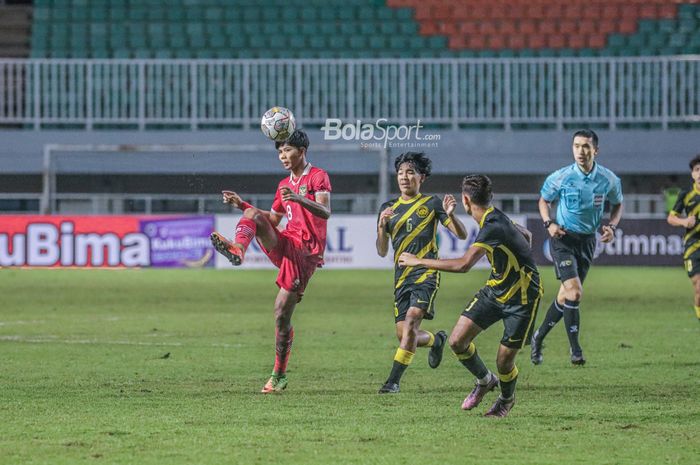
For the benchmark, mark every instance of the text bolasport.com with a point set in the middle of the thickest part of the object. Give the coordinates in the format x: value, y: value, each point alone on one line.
x: 379, y: 134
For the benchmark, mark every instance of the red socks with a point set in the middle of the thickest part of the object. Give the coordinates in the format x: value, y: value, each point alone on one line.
x: 245, y: 232
x: 283, y: 347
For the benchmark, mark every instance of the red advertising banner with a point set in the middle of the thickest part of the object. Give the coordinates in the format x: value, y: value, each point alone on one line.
x: 105, y: 241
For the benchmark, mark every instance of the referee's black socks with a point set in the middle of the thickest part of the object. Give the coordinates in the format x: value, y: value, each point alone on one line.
x: 572, y: 319
x: 554, y: 314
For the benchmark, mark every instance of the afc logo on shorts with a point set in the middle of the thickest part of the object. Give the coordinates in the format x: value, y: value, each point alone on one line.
x: 565, y: 263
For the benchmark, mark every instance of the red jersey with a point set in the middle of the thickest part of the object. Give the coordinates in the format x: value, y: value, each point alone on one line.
x: 301, y: 223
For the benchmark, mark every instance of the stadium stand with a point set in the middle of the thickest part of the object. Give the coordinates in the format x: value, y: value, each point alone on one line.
x: 362, y: 28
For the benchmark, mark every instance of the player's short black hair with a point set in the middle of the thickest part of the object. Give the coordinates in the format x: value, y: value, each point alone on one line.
x: 694, y: 161
x: 419, y: 160
x: 588, y: 133
x: 478, y: 188
x: 296, y: 139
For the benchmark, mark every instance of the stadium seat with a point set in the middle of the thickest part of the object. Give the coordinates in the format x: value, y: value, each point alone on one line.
x: 329, y: 28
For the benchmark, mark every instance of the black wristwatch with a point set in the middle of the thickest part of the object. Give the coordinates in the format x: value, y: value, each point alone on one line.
x: 612, y: 226
x: 547, y: 224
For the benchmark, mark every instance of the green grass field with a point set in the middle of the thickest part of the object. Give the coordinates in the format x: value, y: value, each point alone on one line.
x: 154, y: 366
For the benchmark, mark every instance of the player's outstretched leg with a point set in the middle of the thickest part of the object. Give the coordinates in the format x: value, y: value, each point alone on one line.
x: 253, y: 223
x: 553, y: 316
x: 233, y: 252
x: 284, y: 336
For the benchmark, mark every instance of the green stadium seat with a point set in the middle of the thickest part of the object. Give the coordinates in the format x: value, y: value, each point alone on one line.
x: 667, y: 25
x: 98, y: 14
x: 117, y: 14
x: 404, y: 14
x: 41, y: 14
x: 317, y: 42
x: 357, y: 42
x: 197, y: 41
x: 178, y: 42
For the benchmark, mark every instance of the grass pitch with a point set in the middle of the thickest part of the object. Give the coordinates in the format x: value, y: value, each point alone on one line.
x: 155, y: 366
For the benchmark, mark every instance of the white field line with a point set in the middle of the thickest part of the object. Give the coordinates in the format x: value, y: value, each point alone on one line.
x: 22, y: 322
x: 56, y: 340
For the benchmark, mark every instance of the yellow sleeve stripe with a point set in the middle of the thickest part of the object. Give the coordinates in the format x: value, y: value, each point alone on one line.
x: 486, y: 247
x: 447, y: 222
x: 673, y: 213
x: 407, y: 215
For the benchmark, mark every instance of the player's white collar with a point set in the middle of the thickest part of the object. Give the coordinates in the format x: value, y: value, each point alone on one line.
x: 307, y: 168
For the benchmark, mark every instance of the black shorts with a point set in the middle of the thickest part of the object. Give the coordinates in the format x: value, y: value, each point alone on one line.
x: 572, y: 255
x: 518, y: 318
x: 692, y: 264
x: 415, y: 295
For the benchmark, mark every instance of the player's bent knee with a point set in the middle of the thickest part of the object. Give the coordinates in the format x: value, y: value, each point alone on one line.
x: 458, y: 344
x: 574, y: 294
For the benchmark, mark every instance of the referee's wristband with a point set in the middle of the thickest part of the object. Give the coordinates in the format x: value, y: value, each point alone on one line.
x: 547, y: 224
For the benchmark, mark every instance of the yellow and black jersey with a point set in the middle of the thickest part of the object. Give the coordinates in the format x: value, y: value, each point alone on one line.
x: 413, y: 229
x: 688, y: 204
x: 513, y: 270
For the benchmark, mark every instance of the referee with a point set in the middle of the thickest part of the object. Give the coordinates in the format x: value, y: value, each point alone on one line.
x: 580, y: 190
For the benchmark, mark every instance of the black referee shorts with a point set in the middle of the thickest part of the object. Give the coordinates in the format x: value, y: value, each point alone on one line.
x: 572, y: 255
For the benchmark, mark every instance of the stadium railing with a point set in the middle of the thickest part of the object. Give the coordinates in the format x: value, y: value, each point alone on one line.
x: 636, y: 205
x: 501, y: 92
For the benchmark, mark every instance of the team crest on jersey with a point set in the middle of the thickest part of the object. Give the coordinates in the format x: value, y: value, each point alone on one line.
x: 422, y: 211
x: 598, y: 199
x: 302, y: 190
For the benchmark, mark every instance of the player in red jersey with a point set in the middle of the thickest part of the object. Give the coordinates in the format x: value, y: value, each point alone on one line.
x: 304, y: 198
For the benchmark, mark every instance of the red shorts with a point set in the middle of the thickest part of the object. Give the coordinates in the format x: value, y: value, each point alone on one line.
x: 295, y: 262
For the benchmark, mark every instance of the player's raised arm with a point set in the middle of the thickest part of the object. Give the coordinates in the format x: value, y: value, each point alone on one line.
x: 452, y: 265
x: 320, y: 206
x: 232, y: 198
x: 449, y: 203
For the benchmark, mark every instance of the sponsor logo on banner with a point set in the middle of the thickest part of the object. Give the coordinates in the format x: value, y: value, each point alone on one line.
x: 651, y: 242
x: 178, y: 242
x: 104, y: 241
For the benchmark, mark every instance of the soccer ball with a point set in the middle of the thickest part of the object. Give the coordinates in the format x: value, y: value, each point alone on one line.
x: 278, y: 123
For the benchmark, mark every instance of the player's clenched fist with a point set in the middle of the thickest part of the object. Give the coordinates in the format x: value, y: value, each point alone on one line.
x: 449, y: 204
x: 385, y: 216
x: 231, y: 198
x: 288, y: 195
